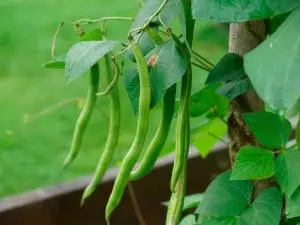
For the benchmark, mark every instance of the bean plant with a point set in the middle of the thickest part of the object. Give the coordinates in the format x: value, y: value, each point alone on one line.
x: 253, y: 91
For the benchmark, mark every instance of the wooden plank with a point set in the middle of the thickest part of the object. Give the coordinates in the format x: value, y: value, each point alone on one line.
x: 59, y: 205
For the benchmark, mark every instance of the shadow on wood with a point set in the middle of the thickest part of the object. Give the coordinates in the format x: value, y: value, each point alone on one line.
x: 59, y: 205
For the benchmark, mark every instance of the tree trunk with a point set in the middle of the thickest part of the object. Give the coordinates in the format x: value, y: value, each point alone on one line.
x: 243, y: 39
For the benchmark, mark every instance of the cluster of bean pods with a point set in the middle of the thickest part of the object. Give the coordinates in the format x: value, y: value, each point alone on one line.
x: 126, y: 171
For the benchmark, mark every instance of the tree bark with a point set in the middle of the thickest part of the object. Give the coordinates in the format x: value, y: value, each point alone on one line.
x: 243, y: 39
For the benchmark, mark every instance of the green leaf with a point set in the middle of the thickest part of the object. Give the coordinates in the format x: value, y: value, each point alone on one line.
x: 277, y: 85
x: 224, y: 221
x: 253, y: 163
x: 276, y: 22
x: 240, y: 10
x: 224, y: 197
x: 207, y: 99
x: 293, y: 205
x: 188, y: 220
x: 148, y: 9
x: 294, y: 221
x: 206, y: 135
x: 266, y: 209
x: 298, y: 134
x: 58, y: 63
x: 190, y: 201
x: 233, y: 89
x: 229, y: 68
x: 287, y: 171
x: 269, y: 129
x: 92, y: 35
x: 173, y: 9
x: 162, y: 75
x: 84, y: 55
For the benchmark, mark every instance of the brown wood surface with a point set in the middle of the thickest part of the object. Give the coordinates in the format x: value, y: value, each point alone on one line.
x: 59, y: 205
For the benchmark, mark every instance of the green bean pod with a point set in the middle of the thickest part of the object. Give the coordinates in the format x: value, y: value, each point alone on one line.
x: 181, y: 149
x: 113, y: 134
x: 177, y: 198
x: 84, y: 116
x: 159, y: 140
x: 140, y: 136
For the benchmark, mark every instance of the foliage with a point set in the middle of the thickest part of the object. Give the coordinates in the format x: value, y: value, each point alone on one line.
x: 231, y: 198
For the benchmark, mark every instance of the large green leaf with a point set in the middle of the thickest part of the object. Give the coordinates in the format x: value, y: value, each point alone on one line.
x: 162, y: 75
x: 253, y: 163
x: 240, y: 10
x: 269, y: 129
x: 206, y: 136
x: 287, y: 171
x: 266, y: 209
x: 230, y: 67
x: 84, y: 55
x: 274, y: 67
x: 224, y: 197
x: 293, y: 205
x: 208, y: 99
x: 224, y: 221
x: 172, y: 9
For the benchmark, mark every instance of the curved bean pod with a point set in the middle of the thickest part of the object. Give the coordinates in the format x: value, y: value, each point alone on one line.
x: 140, y: 136
x: 186, y: 88
x: 177, y: 197
x: 84, y: 116
x: 113, y: 133
x: 159, y: 140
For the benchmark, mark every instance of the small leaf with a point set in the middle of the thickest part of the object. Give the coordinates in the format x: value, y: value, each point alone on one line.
x: 240, y: 10
x: 287, y: 171
x: 190, y: 201
x: 266, y: 208
x: 233, y: 89
x: 92, y: 35
x: 253, y: 163
x: 224, y: 197
x: 269, y: 129
x: 229, y: 68
x: 84, y: 55
x: 188, y: 220
x: 206, y: 136
x: 293, y: 205
x: 277, y: 85
x: 58, y: 63
x: 162, y: 75
x: 207, y: 99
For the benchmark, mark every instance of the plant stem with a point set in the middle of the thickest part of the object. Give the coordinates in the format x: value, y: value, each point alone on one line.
x: 103, y: 19
x: 135, y: 204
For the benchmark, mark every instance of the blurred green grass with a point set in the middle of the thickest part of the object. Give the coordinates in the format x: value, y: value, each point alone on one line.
x: 31, y: 153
